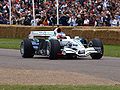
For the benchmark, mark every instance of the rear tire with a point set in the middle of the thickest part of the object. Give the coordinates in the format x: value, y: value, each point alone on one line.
x: 97, y: 43
x: 26, y: 49
x: 53, y: 48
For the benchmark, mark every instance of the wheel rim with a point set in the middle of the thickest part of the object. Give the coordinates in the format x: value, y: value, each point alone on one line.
x: 22, y: 48
x: 48, y: 49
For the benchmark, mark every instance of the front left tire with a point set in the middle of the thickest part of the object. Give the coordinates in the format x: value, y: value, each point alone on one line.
x: 26, y: 49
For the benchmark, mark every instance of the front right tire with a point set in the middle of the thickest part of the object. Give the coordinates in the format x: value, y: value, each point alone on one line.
x: 97, y: 43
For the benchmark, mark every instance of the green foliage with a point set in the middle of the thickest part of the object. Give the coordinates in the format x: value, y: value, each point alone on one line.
x: 57, y: 87
x: 10, y: 43
x: 112, y: 50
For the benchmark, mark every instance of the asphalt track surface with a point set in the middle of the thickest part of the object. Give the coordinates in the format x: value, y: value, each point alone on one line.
x: 107, y: 67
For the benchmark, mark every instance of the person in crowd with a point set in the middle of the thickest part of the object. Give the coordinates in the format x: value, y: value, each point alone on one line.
x: 72, y: 21
x: 64, y: 20
x: 45, y: 22
x: 1, y: 18
x: 86, y: 21
x: 114, y: 22
x: 79, y: 20
x: 71, y: 12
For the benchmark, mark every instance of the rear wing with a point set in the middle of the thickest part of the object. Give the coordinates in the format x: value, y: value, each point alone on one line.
x: 40, y: 34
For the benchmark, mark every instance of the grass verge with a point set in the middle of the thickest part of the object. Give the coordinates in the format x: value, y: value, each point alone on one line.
x: 57, y: 87
x: 109, y: 50
x: 10, y: 43
x: 112, y: 50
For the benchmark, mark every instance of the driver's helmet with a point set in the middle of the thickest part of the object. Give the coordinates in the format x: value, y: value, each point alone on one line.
x: 59, y: 30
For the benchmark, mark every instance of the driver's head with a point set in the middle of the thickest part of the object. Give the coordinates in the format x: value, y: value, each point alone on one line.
x: 58, y: 30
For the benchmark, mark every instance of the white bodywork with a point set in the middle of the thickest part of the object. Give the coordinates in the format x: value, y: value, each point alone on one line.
x: 40, y: 34
x: 70, y: 46
x: 76, y: 48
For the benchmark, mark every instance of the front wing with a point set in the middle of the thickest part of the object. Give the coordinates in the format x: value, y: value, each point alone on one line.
x: 81, y: 53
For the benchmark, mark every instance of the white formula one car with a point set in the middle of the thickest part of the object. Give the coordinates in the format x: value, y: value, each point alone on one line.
x: 45, y: 43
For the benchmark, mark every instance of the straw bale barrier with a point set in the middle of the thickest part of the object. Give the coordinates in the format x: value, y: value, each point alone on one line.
x: 109, y: 35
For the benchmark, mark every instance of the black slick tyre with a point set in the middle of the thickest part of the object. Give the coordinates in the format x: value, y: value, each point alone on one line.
x: 53, y: 48
x: 98, y: 45
x: 26, y: 49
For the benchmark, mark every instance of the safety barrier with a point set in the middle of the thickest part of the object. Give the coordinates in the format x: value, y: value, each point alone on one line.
x: 109, y: 35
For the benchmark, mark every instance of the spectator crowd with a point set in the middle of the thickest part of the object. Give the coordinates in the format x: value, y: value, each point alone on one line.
x: 71, y: 12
